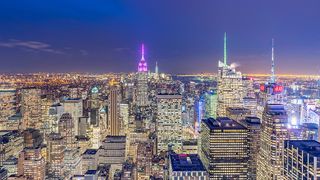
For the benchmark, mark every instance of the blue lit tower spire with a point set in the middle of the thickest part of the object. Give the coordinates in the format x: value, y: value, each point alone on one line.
x: 273, y: 78
x: 156, y: 68
x: 225, y: 49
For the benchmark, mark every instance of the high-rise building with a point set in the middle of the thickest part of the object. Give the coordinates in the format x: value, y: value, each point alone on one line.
x: 230, y: 86
x: 114, y: 123
x: 11, y: 143
x: 31, y: 107
x: 144, y: 160
x: 273, y: 134
x: 89, y: 160
x: 253, y: 124
x: 237, y: 113
x: 7, y: 104
x: 211, y: 101
x: 55, y: 159
x: 31, y: 163
x: 142, y: 81
x: 75, y: 108
x: 113, y: 150
x: 224, y: 148
x: 55, y: 112
x: 66, y: 127
x: 124, y: 117
x: 169, y: 122
x: 301, y: 159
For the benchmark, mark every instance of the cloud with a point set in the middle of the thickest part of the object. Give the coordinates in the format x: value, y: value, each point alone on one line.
x: 84, y: 52
x: 30, y: 45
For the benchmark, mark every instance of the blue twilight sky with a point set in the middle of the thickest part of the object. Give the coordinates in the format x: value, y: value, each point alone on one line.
x: 184, y: 36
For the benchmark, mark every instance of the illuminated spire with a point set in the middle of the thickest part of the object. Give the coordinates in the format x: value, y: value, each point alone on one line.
x: 142, y: 52
x: 142, y: 67
x: 273, y: 78
x: 225, y: 49
x: 156, y: 69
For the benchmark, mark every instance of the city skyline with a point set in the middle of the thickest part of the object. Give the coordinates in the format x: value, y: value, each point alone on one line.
x: 100, y: 37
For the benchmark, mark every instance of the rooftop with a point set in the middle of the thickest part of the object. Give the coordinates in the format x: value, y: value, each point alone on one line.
x: 91, y: 151
x: 186, y: 162
x: 222, y: 123
x: 309, y: 146
x: 252, y: 120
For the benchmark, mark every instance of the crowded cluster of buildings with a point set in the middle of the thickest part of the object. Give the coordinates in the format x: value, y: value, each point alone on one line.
x: 151, y: 125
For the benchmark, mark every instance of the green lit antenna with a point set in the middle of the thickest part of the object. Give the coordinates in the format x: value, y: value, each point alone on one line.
x: 225, y: 49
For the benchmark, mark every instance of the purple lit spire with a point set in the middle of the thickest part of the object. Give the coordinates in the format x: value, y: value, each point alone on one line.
x: 142, y: 67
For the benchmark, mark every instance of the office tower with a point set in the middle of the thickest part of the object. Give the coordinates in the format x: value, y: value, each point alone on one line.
x: 75, y: 108
x: 31, y: 107
x: 114, y: 123
x: 168, y: 122
x: 124, y: 116
x: 66, y: 127
x: 144, y: 160
x: 248, y: 90
x: 253, y: 124
x: 11, y: 143
x: 113, y: 150
x: 142, y: 81
x: 94, y: 115
x: 199, y: 113
x: 7, y: 104
x: 31, y: 163
x: 83, y: 126
x: 55, y: 112
x: 251, y: 104
x: 89, y: 160
x: 237, y: 113
x: 230, y: 86
x: 273, y: 134
x: 186, y: 166
x: 211, y: 101
x: 224, y: 148
x: 56, y: 148
x: 301, y: 159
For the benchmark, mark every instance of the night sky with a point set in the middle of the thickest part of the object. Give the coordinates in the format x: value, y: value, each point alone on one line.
x: 184, y: 36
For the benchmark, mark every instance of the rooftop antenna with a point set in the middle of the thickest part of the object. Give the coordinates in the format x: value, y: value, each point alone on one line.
x: 273, y: 78
x: 225, y: 49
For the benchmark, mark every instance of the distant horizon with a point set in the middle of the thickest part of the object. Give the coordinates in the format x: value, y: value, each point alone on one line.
x: 105, y: 36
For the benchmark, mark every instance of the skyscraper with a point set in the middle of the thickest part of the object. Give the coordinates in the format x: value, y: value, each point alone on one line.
x: 253, y: 124
x: 224, y: 148
x: 273, y: 134
x: 211, y: 100
x: 169, y: 122
x: 31, y: 108
x: 31, y: 163
x: 142, y: 81
x: 301, y: 159
x: 55, y: 157
x: 230, y: 87
x: 114, y: 123
x: 75, y: 108
x: 66, y: 130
